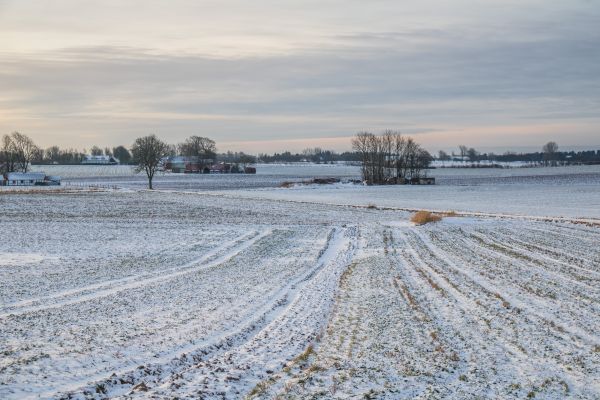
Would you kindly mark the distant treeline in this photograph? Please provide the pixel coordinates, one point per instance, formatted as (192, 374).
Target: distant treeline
(548, 155)
(315, 155)
(583, 157)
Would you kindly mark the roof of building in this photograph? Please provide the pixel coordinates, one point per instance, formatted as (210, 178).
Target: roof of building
(17, 176)
(101, 158)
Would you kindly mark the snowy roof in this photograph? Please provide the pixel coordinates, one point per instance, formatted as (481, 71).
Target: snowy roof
(16, 176)
(101, 158)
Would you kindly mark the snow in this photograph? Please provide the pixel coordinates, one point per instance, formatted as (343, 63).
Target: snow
(13, 259)
(575, 200)
(303, 292)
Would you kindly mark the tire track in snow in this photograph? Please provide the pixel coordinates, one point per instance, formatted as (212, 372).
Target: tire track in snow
(496, 341)
(461, 311)
(222, 253)
(548, 253)
(527, 281)
(507, 293)
(260, 321)
(511, 249)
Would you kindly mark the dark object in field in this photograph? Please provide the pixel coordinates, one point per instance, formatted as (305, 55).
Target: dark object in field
(325, 181)
(422, 181)
(314, 181)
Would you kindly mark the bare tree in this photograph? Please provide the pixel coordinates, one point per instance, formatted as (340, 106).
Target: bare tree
(147, 152)
(443, 156)
(246, 159)
(24, 150)
(360, 144)
(8, 157)
(472, 154)
(53, 154)
(96, 151)
(463, 151)
(389, 157)
(198, 146)
(549, 151)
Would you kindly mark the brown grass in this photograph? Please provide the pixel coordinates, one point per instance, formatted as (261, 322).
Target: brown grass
(450, 214)
(424, 217)
(287, 184)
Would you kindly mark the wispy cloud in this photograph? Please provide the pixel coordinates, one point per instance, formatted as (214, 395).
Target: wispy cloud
(486, 65)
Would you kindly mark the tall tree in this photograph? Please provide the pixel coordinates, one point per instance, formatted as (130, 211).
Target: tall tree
(472, 154)
(147, 152)
(389, 157)
(122, 154)
(198, 146)
(53, 154)
(549, 151)
(24, 149)
(96, 151)
(8, 157)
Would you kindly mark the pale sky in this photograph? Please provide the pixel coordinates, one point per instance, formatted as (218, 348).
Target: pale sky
(263, 76)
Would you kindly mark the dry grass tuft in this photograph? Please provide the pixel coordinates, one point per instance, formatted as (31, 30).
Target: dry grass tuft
(287, 184)
(424, 217)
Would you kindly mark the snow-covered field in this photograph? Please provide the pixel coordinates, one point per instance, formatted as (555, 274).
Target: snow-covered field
(297, 293)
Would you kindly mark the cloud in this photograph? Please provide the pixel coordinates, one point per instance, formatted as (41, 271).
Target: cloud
(455, 70)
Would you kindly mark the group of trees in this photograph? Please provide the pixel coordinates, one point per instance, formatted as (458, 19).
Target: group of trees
(315, 155)
(119, 152)
(197, 146)
(148, 151)
(237, 158)
(464, 153)
(548, 156)
(17, 151)
(389, 157)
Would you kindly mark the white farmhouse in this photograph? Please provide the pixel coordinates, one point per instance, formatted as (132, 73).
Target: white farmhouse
(25, 179)
(100, 160)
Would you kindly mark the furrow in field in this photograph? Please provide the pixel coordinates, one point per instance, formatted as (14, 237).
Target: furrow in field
(257, 339)
(214, 258)
(376, 333)
(525, 275)
(577, 254)
(520, 251)
(571, 233)
(537, 275)
(507, 335)
(508, 293)
(465, 305)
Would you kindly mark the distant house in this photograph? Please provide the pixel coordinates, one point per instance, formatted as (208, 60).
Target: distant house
(100, 160)
(220, 168)
(422, 181)
(26, 179)
(187, 164)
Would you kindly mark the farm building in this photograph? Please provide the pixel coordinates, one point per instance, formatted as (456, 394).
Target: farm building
(28, 179)
(197, 165)
(183, 164)
(422, 181)
(220, 168)
(100, 160)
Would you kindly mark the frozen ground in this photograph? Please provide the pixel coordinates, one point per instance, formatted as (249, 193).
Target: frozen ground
(136, 294)
(541, 200)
